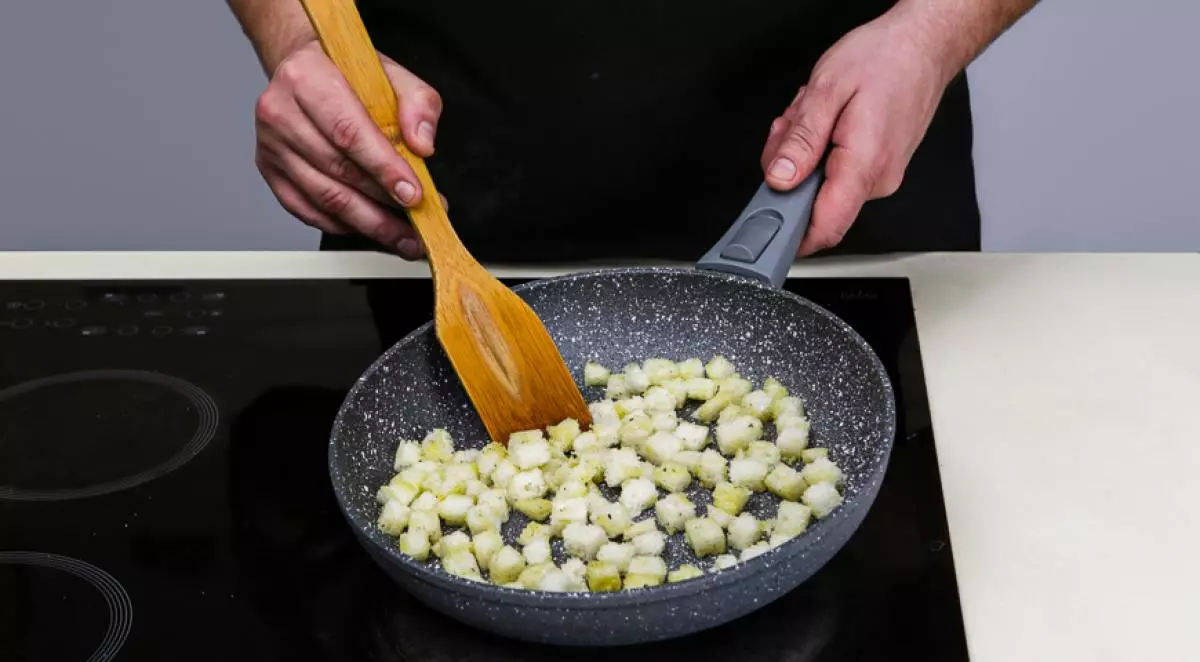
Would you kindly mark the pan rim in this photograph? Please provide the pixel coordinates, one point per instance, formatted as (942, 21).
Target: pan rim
(836, 523)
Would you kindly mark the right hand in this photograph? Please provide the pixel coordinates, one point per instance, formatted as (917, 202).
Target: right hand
(328, 163)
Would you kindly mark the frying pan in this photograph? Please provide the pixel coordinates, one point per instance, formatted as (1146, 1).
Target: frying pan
(730, 305)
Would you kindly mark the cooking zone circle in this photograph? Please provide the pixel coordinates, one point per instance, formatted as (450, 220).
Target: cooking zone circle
(84, 434)
(50, 589)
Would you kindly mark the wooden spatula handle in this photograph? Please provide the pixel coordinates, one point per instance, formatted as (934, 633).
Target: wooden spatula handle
(344, 37)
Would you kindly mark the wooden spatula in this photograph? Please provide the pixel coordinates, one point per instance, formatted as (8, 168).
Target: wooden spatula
(504, 356)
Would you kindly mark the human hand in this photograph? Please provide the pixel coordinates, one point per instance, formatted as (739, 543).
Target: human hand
(328, 163)
(871, 97)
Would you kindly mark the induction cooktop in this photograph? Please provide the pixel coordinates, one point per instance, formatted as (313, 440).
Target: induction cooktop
(164, 491)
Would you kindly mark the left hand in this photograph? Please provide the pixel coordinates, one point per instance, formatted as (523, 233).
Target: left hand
(872, 95)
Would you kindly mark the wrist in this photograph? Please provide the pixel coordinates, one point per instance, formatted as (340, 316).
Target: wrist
(936, 34)
(274, 51)
(276, 29)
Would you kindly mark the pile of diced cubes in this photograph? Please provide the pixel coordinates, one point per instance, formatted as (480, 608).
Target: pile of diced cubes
(614, 493)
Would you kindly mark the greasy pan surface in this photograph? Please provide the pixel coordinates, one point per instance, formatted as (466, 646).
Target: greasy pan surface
(616, 317)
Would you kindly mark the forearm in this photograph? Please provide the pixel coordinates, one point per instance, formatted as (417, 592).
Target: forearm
(957, 31)
(275, 27)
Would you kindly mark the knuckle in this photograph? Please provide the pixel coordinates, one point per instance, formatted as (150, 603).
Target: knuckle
(838, 234)
(290, 71)
(345, 133)
(879, 165)
(267, 161)
(860, 173)
(800, 141)
(829, 242)
(832, 236)
(869, 172)
(334, 200)
(268, 110)
(869, 180)
(343, 170)
(820, 84)
(430, 97)
(889, 184)
(887, 177)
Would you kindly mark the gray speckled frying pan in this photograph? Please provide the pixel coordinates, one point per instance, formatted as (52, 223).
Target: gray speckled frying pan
(730, 305)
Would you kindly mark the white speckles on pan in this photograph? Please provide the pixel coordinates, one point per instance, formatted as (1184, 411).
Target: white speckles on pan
(616, 317)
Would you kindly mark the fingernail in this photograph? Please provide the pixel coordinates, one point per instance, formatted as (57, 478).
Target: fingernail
(405, 192)
(425, 133)
(782, 169)
(407, 248)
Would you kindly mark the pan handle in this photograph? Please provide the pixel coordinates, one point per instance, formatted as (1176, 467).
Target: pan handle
(762, 242)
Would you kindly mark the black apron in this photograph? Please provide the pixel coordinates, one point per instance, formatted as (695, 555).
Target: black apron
(633, 129)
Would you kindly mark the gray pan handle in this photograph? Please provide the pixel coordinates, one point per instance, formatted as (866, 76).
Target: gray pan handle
(762, 243)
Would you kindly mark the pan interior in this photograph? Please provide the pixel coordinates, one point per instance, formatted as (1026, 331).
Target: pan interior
(617, 317)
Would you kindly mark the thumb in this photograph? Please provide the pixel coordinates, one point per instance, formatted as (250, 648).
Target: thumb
(796, 146)
(420, 107)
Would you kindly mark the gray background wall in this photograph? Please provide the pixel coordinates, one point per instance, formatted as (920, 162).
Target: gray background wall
(126, 124)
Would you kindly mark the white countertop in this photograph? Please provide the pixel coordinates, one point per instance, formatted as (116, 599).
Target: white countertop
(1066, 396)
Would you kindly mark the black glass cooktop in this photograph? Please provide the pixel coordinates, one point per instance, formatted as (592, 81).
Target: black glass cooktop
(164, 492)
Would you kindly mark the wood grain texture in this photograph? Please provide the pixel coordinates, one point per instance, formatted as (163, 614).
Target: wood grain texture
(505, 358)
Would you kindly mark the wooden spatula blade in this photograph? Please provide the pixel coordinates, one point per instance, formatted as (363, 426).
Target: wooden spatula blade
(502, 353)
(504, 356)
